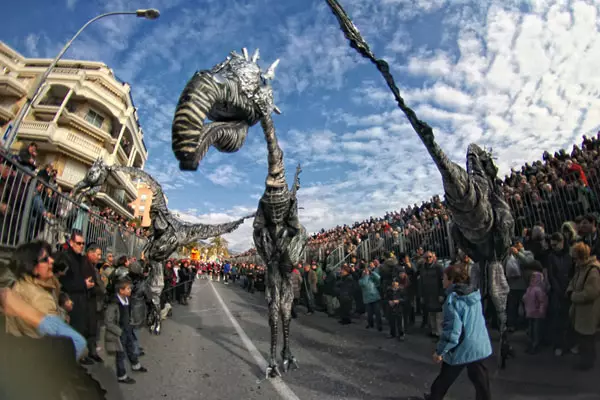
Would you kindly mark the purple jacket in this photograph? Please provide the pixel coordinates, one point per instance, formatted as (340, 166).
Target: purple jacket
(535, 299)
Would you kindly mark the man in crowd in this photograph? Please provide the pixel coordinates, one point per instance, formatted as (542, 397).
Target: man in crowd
(432, 293)
(77, 284)
(95, 298)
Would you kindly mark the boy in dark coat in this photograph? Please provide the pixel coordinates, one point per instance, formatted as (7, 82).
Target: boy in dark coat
(119, 337)
(345, 292)
(397, 297)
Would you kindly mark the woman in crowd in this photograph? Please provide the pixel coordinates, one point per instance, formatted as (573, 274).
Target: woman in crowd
(35, 283)
(464, 342)
(584, 293)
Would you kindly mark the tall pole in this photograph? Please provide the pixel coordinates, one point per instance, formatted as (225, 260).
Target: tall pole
(35, 91)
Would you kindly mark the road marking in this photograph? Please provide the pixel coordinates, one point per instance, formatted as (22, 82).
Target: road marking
(280, 386)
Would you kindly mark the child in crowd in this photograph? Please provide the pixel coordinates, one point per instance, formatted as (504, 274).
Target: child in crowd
(66, 306)
(536, 303)
(397, 297)
(119, 338)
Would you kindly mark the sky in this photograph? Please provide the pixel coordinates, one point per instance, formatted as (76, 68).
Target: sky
(520, 77)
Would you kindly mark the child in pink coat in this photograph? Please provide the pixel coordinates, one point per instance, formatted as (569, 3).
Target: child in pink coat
(536, 304)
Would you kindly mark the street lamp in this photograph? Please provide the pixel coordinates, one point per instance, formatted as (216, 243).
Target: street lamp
(150, 13)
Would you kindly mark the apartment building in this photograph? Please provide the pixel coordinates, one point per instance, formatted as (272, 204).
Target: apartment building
(83, 113)
(141, 205)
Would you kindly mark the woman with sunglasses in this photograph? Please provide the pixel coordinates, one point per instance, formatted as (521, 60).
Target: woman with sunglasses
(35, 283)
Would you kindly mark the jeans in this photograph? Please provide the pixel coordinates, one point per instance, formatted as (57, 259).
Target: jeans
(535, 332)
(373, 309)
(397, 322)
(128, 342)
(345, 309)
(478, 375)
(515, 297)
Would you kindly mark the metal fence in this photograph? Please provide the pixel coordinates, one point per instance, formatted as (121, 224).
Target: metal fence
(30, 208)
(546, 201)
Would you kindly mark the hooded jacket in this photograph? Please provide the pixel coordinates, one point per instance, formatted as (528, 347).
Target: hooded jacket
(464, 337)
(535, 299)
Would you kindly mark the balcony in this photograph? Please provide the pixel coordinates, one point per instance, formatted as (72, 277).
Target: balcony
(116, 200)
(45, 112)
(77, 122)
(126, 182)
(6, 114)
(11, 86)
(36, 130)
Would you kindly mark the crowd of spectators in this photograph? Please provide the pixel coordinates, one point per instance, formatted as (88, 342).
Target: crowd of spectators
(52, 215)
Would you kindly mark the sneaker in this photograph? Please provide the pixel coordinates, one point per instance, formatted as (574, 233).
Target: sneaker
(127, 380)
(391, 336)
(575, 350)
(558, 352)
(140, 369)
(402, 338)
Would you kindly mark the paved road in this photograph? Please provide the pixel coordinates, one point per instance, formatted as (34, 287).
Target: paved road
(215, 348)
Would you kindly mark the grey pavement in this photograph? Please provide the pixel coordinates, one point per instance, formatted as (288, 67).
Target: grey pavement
(201, 354)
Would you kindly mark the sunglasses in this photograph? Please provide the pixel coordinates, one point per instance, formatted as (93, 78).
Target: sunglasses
(79, 243)
(44, 259)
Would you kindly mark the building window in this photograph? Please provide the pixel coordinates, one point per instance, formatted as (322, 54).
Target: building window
(143, 197)
(94, 118)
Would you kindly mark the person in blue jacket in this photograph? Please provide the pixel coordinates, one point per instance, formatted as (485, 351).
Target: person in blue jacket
(464, 342)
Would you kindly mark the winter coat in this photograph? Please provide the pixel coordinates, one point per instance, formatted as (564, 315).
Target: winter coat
(400, 294)
(369, 285)
(464, 336)
(330, 283)
(112, 337)
(42, 295)
(520, 282)
(296, 283)
(584, 292)
(535, 298)
(345, 288)
(73, 283)
(386, 271)
(431, 286)
(560, 270)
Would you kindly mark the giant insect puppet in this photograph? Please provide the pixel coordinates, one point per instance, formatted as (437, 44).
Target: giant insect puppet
(167, 232)
(235, 95)
(482, 224)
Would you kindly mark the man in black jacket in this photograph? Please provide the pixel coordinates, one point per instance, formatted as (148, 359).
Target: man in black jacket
(95, 298)
(76, 283)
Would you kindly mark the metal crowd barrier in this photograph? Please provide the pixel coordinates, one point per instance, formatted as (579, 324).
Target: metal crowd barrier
(549, 206)
(31, 209)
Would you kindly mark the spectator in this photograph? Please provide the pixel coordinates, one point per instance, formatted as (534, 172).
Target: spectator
(464, 342)
(95, 298)
(369, 284)
(432, 293)
(536, 303)
(119, 333)
(345, 292)
(27, 156)
(398, 302)
(35, 283)
(77, 283)
(584, 293)
(560, 269)
(309, 288)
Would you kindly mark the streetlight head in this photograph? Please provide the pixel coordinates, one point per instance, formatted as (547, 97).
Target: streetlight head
(151, 13)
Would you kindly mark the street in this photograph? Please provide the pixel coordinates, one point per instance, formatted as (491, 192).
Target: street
(215, 348)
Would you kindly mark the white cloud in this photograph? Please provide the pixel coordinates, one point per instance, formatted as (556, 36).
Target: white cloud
(226, 175)
(71, 4)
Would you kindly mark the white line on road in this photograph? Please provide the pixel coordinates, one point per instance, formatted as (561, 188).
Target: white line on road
(280, 386)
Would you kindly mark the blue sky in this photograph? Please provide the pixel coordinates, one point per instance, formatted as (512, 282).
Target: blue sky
(517, 76)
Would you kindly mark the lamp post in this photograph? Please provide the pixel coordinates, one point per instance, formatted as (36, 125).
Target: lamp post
(151, 13)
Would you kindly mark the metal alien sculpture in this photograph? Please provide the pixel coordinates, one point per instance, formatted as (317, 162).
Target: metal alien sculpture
(167, 232)
(235, 95)
(482, 224)
(92, 182)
